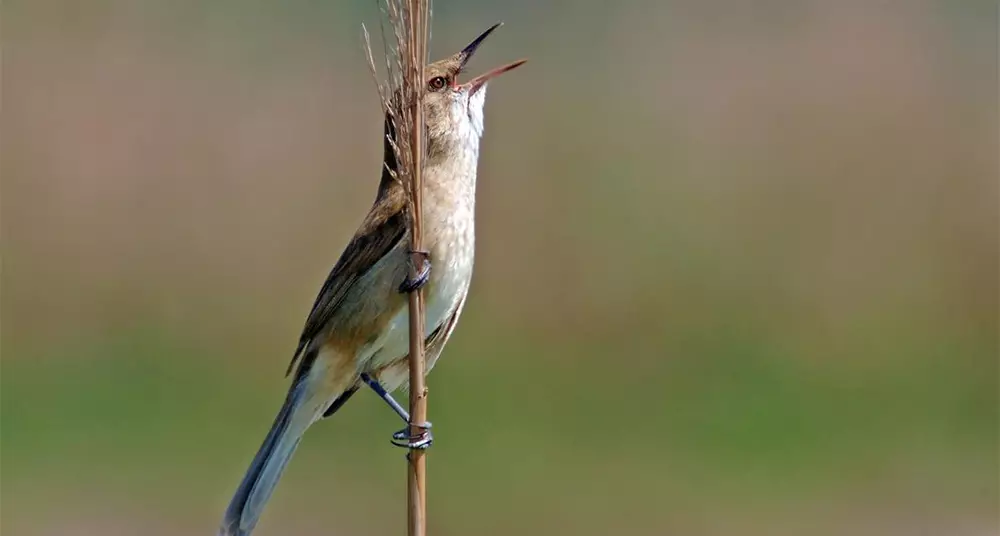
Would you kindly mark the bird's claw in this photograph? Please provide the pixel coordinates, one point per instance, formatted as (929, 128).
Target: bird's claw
(422, 440)
(423, 274)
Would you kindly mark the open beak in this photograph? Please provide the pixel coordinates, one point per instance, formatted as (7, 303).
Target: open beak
(466, 54)
(478, 82)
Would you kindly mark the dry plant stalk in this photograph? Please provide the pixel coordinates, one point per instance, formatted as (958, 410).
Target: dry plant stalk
(405, 59)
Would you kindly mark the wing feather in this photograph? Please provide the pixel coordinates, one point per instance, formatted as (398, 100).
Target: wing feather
(383, 229)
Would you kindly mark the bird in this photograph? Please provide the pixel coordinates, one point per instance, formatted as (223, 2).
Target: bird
(356, 333)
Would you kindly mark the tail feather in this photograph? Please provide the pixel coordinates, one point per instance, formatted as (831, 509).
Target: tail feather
(261, 478)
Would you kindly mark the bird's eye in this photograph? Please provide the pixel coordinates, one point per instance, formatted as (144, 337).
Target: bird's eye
(437, 83)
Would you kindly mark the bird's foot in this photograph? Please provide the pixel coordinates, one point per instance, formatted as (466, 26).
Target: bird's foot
(412, 284)
(403, 438)
(423, 439)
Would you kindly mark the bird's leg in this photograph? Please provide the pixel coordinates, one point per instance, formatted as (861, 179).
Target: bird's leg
(423, 258)
(402, 438)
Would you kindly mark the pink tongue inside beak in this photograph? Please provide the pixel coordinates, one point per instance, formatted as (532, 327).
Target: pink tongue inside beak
(476, 83)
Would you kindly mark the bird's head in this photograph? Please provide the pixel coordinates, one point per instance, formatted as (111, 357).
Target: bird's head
(453, 109)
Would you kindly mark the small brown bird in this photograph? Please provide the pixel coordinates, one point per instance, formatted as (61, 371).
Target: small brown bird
(357, 332)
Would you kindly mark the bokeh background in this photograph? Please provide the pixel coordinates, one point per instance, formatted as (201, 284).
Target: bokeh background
(737, 268)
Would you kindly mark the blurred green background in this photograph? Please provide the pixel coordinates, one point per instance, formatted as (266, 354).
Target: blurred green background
(737, 268)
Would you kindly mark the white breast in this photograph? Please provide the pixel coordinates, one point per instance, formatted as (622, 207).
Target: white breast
(449, 231)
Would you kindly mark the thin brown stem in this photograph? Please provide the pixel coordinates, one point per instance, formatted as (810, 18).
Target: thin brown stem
(401, 102)
(416, 473)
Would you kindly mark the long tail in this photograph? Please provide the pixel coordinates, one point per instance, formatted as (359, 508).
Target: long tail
(292, 421)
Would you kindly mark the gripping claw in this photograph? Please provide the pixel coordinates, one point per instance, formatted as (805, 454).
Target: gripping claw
(423, 274)
(421, 441)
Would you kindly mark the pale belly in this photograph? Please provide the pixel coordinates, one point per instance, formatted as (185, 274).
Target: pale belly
(451, 274)
(449, 235)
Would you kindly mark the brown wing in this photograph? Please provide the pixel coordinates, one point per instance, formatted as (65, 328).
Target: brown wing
(383, 228)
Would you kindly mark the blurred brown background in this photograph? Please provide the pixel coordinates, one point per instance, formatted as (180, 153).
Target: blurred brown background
(737, 268)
